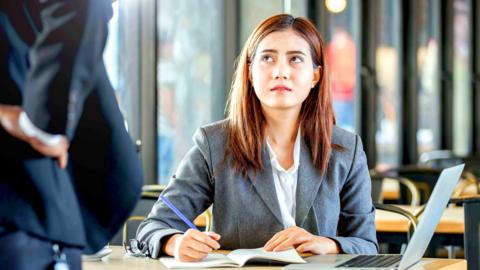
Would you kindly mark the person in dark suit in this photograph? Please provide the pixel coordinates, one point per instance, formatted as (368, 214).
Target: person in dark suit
(69, 172)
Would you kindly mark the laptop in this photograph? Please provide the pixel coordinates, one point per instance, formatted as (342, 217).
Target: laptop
(416, 247)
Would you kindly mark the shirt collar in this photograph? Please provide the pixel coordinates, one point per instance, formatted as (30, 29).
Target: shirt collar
(296, 155)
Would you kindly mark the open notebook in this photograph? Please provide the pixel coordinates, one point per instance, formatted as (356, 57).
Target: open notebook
(237, 258)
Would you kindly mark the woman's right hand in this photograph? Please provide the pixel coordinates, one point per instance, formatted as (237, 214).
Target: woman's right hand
(192, 246)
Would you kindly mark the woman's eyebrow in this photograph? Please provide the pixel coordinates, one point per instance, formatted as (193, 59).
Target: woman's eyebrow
(296, 52)
(269, 51)
(289, 52)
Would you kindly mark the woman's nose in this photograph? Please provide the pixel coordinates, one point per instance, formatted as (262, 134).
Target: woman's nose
(281, 71)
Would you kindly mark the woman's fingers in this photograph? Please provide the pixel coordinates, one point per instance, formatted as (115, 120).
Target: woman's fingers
(200, 247)
(304, 247)
(214, 236)
(287, 238)
(191, 255)
(290, 242)
(272, 240)
(205, 238)
(195, 245)
(320, 245)
(276, 242)
(287, 243)
(278, 238)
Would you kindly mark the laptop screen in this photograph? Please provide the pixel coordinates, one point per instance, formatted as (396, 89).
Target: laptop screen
(431, 216)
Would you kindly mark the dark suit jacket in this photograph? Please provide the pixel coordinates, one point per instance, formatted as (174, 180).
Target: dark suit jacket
(246, 213)
(51, 64)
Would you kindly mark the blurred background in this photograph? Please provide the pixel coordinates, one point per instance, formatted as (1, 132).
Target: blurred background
(405, 74)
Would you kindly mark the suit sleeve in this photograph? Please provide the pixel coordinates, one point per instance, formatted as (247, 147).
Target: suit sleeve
(190, 190)
(63, 60)
(356, 228)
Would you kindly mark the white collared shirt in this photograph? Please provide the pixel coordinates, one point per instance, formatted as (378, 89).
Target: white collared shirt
(286, 183)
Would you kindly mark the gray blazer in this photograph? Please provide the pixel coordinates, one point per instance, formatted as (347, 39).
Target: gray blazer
(246, 213)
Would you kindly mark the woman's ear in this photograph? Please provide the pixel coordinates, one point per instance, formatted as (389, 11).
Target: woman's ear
(249, 66)
(316, 75)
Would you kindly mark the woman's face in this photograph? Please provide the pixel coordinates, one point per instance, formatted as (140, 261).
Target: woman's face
(282, 71)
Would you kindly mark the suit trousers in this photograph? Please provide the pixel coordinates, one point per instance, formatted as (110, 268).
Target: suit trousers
(20, 250)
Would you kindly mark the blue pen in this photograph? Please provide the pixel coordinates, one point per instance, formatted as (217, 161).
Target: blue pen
(178, 213)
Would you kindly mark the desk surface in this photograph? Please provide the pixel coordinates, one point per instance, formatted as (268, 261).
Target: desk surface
(118, 261)
(452, 221)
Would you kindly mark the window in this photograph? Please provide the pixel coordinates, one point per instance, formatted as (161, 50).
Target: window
(342, 50)
(462, 119)
(190, 75)
(428, 133)
(387, 57)
(254, 11)
(122, 64)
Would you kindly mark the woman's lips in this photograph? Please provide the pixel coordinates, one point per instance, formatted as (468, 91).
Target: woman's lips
(281, 88)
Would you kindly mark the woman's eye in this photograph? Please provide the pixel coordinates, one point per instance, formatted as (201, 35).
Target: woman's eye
(267, 58)
(296, 59)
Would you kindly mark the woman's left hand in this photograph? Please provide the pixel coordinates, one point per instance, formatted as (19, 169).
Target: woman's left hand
(302, 241)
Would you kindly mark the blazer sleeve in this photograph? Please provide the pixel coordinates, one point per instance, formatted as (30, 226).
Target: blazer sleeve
(190, 190)
(356, 228)
(63, 59)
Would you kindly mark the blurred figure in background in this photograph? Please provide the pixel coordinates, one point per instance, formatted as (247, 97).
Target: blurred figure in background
(341, 60)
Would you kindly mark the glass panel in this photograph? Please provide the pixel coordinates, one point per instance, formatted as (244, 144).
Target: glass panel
(252, 12)
(121, 63)
(190, 75)
(462, 128)
(342, 39)
(110, 54)
(299, 8)
(428, 134)
(388, 80)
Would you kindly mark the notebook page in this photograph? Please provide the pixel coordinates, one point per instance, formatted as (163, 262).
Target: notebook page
(241, 256)
(212, 260)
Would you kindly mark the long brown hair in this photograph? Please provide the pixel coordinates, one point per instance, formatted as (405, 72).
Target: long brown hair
(246, 121)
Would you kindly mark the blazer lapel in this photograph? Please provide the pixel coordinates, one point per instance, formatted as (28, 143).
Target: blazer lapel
(264, 185)
(308, 182)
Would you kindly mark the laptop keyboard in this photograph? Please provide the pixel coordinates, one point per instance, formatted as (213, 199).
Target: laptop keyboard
(371, 261)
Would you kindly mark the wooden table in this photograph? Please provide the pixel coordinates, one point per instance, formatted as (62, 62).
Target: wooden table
(391, 189)
(452, 221)
(119, 261)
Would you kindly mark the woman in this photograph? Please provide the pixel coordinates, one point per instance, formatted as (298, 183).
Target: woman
(278, 172)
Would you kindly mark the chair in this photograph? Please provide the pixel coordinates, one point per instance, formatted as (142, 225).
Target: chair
(133, 221)
(148, 198)
(378, 180)
(377, 198)
(472, 164)
(143, 207)
(424, 179)
(440, 159)
(153, 189)
(468, 185)
(446, 158)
